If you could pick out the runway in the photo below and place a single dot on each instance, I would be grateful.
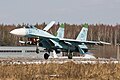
(27, 55)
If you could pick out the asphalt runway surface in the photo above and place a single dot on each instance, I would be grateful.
(28, 56)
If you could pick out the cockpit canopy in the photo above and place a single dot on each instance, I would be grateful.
(29, 26)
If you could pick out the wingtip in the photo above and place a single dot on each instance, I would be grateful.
(105, 43)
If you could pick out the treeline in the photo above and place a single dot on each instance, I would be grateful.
(98, 32)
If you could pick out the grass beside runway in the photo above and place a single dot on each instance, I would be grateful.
(64, 71)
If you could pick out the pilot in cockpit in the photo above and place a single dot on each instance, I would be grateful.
(29, 26)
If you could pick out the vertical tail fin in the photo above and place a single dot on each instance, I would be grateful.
(60, 32)
(49, 26)
(82, 36)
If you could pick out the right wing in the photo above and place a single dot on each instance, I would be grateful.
(85, 42)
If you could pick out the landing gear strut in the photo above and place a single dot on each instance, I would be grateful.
(37, 50)
(70, 55)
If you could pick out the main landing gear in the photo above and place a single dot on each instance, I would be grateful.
(46, 56)
(37, 50)
(70, 55)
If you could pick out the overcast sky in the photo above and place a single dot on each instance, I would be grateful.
(69, 11)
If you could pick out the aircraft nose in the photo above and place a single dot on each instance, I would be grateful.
(13, 32)
(19, 32)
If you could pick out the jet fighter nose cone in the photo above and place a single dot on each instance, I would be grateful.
(19, 32)
(13, 32)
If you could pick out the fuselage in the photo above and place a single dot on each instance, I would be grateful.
(46, 39)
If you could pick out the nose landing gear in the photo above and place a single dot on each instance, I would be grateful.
(37, 45)
(37, 50)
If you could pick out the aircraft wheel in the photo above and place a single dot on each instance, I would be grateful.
(70, 55)
(37, 51)
(46, 56)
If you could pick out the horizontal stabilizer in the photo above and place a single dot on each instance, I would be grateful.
(49, 26)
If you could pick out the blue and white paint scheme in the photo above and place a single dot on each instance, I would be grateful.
(57, 43)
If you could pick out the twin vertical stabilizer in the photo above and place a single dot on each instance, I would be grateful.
(60, 32)
(82, 36)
